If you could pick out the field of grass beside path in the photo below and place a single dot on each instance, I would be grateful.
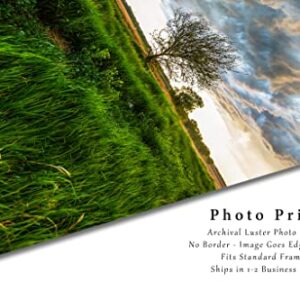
(86, 134)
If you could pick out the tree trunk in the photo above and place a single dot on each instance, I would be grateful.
(151, 57)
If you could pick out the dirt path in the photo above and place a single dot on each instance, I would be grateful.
(212, 170)
(131, 26)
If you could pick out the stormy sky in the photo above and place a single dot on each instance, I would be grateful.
(266, 91)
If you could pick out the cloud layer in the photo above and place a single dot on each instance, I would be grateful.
(266, 92)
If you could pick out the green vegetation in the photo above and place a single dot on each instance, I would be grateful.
(86, 134)
(187, 99)
(194, 132)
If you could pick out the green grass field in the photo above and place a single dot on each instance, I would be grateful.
(86, 134)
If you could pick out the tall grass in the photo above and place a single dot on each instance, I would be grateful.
(86, 135)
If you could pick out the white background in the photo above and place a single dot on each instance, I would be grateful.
(147, 257)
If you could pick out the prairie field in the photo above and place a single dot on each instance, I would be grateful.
(87, 136)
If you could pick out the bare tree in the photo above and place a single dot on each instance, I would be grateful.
(191, 51)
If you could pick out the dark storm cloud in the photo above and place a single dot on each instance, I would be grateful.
(267, 90)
